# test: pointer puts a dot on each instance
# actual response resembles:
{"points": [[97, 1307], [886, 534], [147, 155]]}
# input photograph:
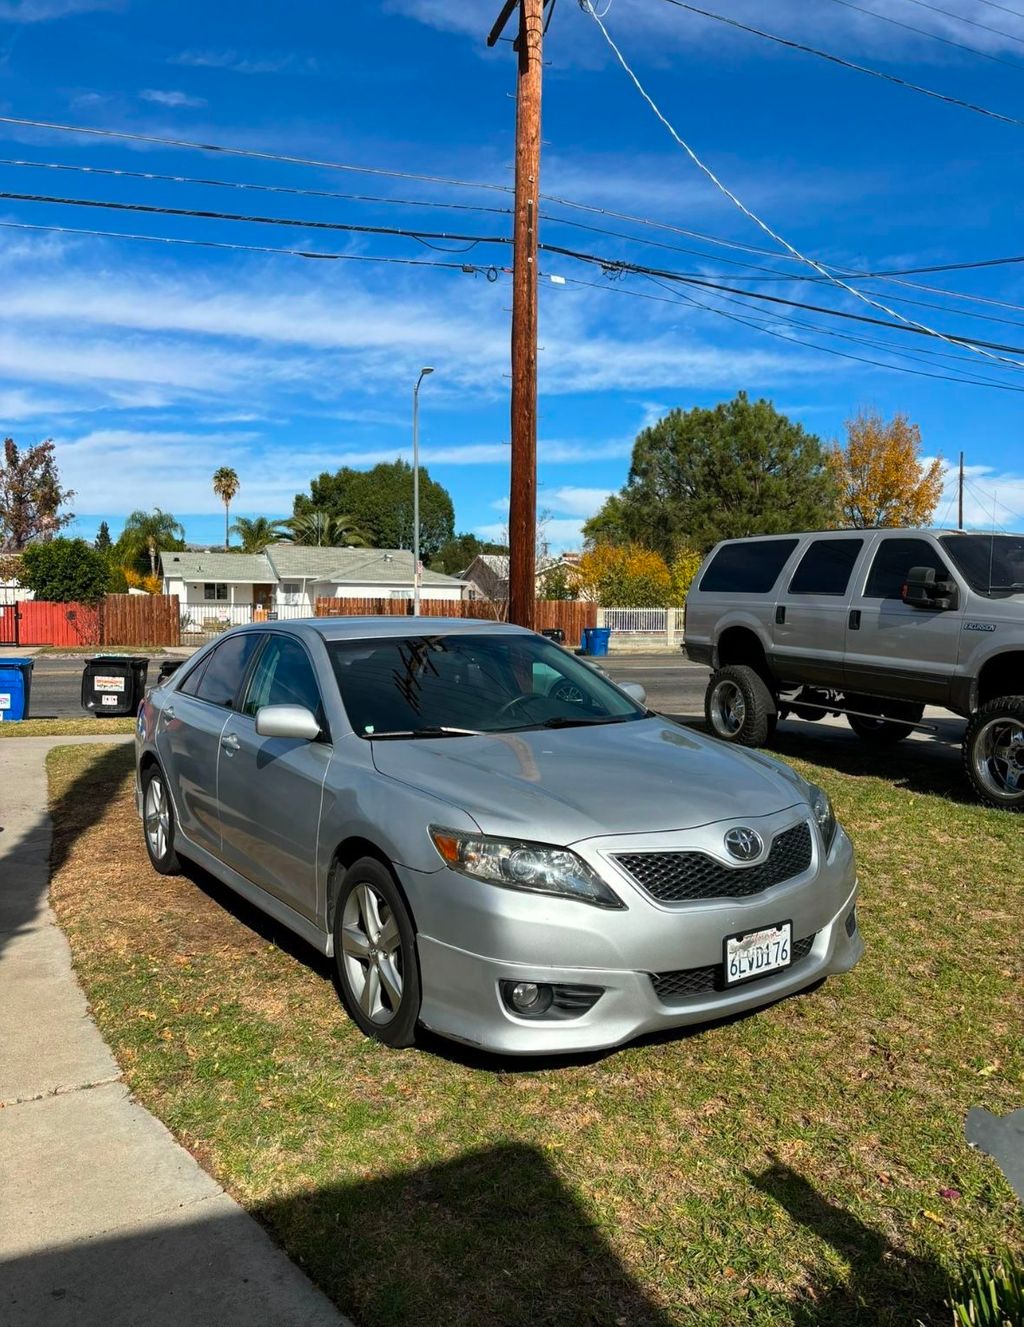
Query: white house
{"points": [[288, 579]]}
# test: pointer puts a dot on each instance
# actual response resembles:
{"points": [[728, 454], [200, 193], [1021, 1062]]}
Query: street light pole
{"points": [[416, 492]]}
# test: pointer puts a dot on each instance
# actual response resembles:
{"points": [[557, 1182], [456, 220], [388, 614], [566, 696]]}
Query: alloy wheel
{"points": [[372, 954], [728, 709], [157, 817], [999, 757]]}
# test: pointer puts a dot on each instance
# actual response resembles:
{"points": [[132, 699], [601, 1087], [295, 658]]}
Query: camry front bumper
{"points": [[492, 935]]}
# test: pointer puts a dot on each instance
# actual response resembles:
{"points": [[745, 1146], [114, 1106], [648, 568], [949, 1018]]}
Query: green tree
{"points": [[103, 542], [559, 582], [321, 529], [379, 501], [146, 535], [65, 571], [226, 485], [701, 475], [31, 496], [257, 533], [456, 554]]}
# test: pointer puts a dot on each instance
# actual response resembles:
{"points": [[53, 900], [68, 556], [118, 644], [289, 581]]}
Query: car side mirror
{"points": [[924, 590], [293, 721], [635, 691]]}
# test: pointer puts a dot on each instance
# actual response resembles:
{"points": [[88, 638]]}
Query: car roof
{"points": [[360, 628], [855, 533]]}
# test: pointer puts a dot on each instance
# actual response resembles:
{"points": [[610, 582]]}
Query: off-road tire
{"points": [[982, 772], [394, 1026], [739, 706], [895, 721]]}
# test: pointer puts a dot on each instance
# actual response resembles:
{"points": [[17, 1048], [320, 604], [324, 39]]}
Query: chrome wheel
{"points": [[372, 954], [157, 817], [998, 757], [728, 709]]}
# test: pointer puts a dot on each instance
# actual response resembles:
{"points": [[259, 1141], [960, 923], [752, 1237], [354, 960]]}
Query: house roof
{"points": [[247, 568], [282, 562]]}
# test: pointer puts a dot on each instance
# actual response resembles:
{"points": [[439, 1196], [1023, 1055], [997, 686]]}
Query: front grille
{"points": [[677, 877], [699, 981]]}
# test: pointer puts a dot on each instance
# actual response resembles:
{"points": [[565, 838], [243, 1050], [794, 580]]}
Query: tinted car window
{"points": [[892, 563], [826, 566], [223, 674], [283, 676], [992, 564], [747, 568], [190, 682]]}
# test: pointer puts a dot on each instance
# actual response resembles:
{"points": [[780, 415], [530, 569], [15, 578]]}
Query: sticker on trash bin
{"points": [[108, 700], [108, 683], [5, 700]]}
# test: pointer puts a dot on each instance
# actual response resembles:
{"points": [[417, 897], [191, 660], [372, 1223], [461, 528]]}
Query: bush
{"points": [[685, 566], [625, 577], [990, 1296], [65, 571]]}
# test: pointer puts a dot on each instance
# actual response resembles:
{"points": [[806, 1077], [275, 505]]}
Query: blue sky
{"points": [[152, 364]]}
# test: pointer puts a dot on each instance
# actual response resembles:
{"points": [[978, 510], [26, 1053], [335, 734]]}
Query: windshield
{"points": [[991, 564], [448, 686]]}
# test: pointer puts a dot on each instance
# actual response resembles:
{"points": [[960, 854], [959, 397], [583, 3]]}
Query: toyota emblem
{"points": [[744, 844]]}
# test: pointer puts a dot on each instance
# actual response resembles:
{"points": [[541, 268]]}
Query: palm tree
{"points": [[226, 485], [146, 533], [257, 533], [321, 529]]}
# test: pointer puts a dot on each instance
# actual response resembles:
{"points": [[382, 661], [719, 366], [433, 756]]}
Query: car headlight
{"points": [[517, 864], [823, 814]]}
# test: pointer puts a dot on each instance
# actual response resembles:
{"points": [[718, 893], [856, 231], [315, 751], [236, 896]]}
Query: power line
{"points": [[962, 18], [810, 262], [474, 269], [1006, 10], [935, 36], [152, 209], [847, 64]]}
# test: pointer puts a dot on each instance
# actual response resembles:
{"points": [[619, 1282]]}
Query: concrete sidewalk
{"points": [[105, 1221]]}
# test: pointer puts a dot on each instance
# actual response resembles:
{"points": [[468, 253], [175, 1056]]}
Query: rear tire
{"points": [[375, 955], [895, 719], [993, 753], [158, 822], [738, 706]]}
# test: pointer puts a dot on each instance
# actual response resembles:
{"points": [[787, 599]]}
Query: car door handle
{"points": [[168, 712], [780, 616], [230, 743], [855, 619]]}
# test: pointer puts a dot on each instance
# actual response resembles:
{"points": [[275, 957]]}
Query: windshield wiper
{"points": [[572, 721], [423, 732]]}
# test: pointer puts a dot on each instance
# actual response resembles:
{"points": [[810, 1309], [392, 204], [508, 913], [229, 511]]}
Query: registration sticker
{"points": [[108, 700], [756, 953], [108, 683]]}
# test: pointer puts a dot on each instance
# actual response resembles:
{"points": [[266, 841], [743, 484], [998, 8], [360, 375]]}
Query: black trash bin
{"points": [[113, 685], [554, 633], [168, 668]]}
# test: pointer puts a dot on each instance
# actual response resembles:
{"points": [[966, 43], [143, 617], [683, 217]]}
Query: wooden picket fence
{"points": [[119, 619], [571, 615]]}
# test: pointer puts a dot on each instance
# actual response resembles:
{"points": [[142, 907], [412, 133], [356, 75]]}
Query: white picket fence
{"points": [[201, 621], [634, 628]]}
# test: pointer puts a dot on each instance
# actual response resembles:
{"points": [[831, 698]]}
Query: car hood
{"points": [[563, 785]]}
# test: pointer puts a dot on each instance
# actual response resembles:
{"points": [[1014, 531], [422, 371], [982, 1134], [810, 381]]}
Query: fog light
{"points": [[534, 999], [526, 997]]}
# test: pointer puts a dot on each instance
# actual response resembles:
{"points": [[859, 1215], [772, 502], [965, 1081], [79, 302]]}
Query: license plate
{"points": [[110, 700], [756, 953]]}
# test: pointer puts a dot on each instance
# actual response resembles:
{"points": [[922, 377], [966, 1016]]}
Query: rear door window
{"points": [[224, 673], [893, 562], [750, 567], [826, 566]]}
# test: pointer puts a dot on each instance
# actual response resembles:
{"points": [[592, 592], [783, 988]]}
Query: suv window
{"points": [[892, 563], [283, 676], [826, 566], [223, 675], [751, 567]]}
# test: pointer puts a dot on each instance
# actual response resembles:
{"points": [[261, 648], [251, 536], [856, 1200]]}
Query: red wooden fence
{"points": [[119, 619], [42, 623]]}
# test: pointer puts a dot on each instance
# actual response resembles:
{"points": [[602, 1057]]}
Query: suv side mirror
{"points": [[924, 590]]}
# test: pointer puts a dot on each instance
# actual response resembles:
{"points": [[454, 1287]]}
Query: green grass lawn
{"points": [[67, 727], [804, 1165]]}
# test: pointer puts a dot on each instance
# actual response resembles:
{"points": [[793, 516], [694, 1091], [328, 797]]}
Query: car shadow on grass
{"points": [[886, 1285]]}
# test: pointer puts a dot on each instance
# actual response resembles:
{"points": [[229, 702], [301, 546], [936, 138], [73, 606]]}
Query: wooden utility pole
{"points": [[522, 513], [960, 518]]}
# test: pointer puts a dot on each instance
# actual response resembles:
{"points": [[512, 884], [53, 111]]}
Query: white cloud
{"points": [[41, 11], [172, 98], [239, 63], [991, 497], [577, 501]]}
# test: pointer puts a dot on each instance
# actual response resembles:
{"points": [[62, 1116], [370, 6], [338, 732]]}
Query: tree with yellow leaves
{"points": [[625, 576], [881, 479]]}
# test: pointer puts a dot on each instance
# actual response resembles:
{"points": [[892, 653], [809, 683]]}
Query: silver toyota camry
{"points": [[491, 838]]}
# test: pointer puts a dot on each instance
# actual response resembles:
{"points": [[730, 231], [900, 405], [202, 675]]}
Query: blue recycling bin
{"points": [[15, 688], [595, 641]]}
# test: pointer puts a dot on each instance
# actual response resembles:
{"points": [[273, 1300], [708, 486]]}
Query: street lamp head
{"points": [[424, 372]]}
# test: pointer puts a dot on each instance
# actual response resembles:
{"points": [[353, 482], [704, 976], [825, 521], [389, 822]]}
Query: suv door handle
{"points": [[855, 619], [230, 743], [780, 615]]}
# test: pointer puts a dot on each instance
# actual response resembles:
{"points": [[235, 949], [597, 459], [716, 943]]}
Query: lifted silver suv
{"points": [[873, 624]]}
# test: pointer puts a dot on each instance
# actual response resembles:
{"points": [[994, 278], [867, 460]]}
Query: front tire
{"points": [[890, 721], [158, 822], [739, 707], [375, 954], [993, 753]]}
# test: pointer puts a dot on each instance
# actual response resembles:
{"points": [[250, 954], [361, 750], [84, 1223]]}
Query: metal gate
{"points": [[9, 618]]}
